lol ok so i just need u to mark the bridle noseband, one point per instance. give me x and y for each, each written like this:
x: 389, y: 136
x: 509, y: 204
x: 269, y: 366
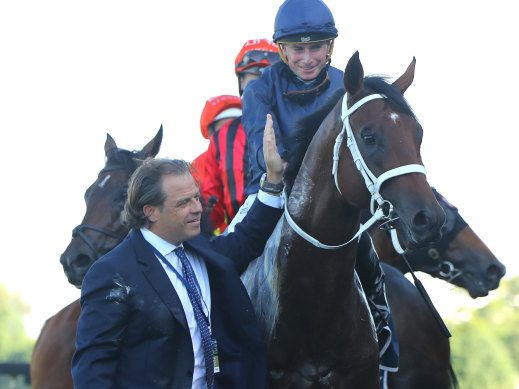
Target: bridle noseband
x: 78, y: 232
x: 443, y: 268
x: 373, y: 183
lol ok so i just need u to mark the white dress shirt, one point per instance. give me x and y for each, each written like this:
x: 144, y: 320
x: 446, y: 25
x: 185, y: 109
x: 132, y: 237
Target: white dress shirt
x: 198, y: 265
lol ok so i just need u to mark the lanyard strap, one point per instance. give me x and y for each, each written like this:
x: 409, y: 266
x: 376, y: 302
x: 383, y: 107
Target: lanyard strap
x: 184, y: 282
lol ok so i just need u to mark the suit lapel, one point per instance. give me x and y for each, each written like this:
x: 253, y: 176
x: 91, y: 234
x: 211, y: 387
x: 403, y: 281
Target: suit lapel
x: 157, y: 277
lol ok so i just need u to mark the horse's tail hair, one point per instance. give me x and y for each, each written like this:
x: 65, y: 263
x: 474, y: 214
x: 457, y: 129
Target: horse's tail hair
x: 453, y: 381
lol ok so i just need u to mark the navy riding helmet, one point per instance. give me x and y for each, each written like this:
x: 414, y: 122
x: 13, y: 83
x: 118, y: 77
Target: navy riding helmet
x: 304, y: 21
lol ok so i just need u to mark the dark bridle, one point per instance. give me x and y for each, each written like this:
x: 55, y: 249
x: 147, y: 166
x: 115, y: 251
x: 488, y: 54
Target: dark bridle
x: 78, y: 231
x: 441, y: 267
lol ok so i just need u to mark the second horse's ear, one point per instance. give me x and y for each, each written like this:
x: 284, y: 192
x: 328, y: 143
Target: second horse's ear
x: 354, y: 75
x: 153, y: 146
x: 109, y: 143
x: 406, y: 79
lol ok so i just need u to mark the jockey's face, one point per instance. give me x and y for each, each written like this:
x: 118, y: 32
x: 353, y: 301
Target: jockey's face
x: 306, y: 60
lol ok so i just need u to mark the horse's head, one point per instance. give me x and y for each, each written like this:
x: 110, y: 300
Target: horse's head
x: 102, y: 228
x: 460, y: 257
x: 384, y: 137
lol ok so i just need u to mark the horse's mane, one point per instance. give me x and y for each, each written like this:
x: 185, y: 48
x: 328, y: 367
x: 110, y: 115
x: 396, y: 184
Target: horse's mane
x: 306, y: 128
x: 303, y: 134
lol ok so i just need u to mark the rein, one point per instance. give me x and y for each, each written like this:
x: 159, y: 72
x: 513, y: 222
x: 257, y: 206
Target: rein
x: 373, y: 183
x: 427, y: 299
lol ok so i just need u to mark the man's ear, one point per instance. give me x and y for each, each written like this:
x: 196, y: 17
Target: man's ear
x: 283, y: 48
x: 150, y: 213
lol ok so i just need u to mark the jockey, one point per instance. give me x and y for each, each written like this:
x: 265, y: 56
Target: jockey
x: 217, y: 111
x: 253, y: 58
x: 225, y: 164
x: 291, y: 90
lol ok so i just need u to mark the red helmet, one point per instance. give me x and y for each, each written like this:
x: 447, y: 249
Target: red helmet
x: 256, y: 53
x: 219, y: 107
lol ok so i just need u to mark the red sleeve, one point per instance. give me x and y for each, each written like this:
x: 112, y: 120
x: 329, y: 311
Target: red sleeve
x: 199, y: 165
x: 212, y: 185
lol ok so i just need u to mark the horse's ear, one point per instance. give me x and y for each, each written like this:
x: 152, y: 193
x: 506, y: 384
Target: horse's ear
x: 153, y: 146
x: 109, y: 143
x: 406, y: 79
x: 354, y: 75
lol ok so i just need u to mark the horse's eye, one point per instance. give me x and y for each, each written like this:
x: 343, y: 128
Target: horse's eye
x: 368, y: 138
x: 123, y: 194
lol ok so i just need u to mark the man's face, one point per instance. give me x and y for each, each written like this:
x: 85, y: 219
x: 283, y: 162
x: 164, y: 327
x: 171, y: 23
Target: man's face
x: 217, y: 124
x: 179, y: 218
x: 306, y: 60
x: 244, y: 78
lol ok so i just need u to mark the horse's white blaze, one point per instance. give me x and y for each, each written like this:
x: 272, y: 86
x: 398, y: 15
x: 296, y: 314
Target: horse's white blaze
x: 102, y: 184
x: 394, y: 116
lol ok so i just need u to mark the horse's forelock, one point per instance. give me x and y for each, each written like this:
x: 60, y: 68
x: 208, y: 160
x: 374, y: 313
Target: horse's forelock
x: 394, y: 97
x: 305, y: 130
x: 128, y: 160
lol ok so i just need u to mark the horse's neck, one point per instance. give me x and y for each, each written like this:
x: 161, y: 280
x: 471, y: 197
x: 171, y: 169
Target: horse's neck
x: 316, y: 204
x: 311, y: 282
x: 319, y: 210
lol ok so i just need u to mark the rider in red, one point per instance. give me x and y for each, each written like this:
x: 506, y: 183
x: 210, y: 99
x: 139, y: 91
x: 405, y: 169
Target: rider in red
x: 217, y: 111
x: 226, y: 163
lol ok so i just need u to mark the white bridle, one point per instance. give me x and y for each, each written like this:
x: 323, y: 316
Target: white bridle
x: 372, y: 182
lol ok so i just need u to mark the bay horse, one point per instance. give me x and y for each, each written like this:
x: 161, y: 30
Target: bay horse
x: 314, y: 316
x: 99, y: 232
x: 460, y: 257
x: 102, y: 228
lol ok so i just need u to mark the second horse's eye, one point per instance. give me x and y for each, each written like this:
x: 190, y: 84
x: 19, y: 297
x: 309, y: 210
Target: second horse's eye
x: 122, y: 194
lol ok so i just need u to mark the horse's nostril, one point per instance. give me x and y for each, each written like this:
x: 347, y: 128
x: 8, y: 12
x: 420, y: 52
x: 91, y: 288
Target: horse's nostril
x: 494, y: 271
x: 81, y: 260
x: 421, y: 219
x: 63, y: 260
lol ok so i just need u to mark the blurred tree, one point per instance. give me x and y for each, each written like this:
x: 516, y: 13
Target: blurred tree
x: 485, y: 347
x: 15, y: 344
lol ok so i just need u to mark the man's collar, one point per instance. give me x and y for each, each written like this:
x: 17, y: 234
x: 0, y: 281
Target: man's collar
x: 162, y: 245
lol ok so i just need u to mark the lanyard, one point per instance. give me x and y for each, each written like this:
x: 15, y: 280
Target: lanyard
x: 189, y: 289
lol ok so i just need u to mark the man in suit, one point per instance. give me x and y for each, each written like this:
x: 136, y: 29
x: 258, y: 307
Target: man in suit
x: 166, y: 308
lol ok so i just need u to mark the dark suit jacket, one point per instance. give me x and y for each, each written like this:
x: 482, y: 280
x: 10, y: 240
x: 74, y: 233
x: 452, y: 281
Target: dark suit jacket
x: 133, y: 333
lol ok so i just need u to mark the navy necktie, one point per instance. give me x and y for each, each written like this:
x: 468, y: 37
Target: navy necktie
x: 201, y: 319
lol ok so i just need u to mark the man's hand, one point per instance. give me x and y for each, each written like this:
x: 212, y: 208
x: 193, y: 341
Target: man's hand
x: 270, y: 153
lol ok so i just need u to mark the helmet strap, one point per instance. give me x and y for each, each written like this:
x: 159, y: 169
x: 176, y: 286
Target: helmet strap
x: 281, y: 54
x: 329, y: 57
